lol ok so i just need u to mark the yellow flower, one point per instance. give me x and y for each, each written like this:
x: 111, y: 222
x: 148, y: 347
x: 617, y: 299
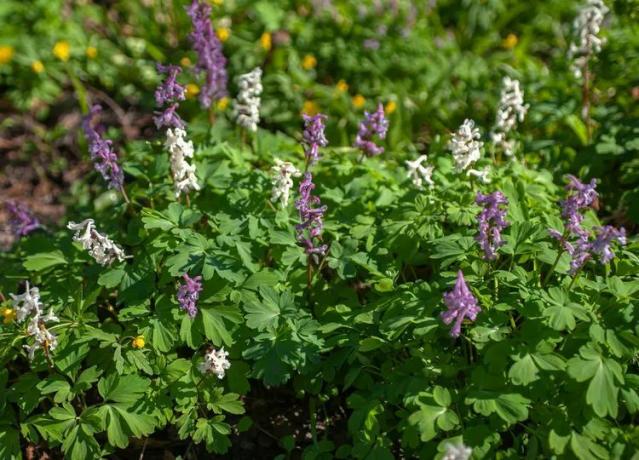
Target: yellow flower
x: 223, y: 103
x: 223, y: 33
x: 218, y: 2
x: 359, y: 101
x: 310, y: 108
x: 192, y: 90
x: 309, y: 62
x: 62, y: 50
x: 138, y: 342
x: 185, y: 62
x: 6, y: 53
x: 37, y: 66
x: 92, y: 52
x: 9, y: 315
x: 510, y: 41
x: 390, y: 107
x: 342, y: 86
x: 265, y: 41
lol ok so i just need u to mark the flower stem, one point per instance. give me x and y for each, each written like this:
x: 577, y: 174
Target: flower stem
x: 124, y: 195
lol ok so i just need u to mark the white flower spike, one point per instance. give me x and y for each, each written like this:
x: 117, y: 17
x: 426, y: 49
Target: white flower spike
x: 457, y: 452
x: 215, y: 362
x: 180, y: 149
x: 283, y: 173
x: 465, y: 145
x: 247, y: 105
x: 587, y: 26
x: 511, y: 111
x: 99, y: 246
x: 419, y: 173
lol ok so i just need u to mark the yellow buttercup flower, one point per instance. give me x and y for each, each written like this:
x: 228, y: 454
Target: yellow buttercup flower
x: 390, y: 107
x: 310, y: 108
x: 265, y: 41
x: 62, y: 50
x: 92, y: 52
x: 342, y: 86
x: 309, y: 62
x: 192, y: 90
x: 9, y: 315
x: 138, y: 342
x: 185, y: 62
x: 223, y: 33
x: 358, y: 101
x: 223, y: 103
x: 6, y: 54
x: 37, y: 66
x: 510, y: 41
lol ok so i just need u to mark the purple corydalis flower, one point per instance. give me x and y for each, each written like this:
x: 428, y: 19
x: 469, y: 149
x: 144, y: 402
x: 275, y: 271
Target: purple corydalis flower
x: 461, y: 304
x: 189, y: 293
x: 21, y: 219
x: 169, y: 118
x: 313, y: 137
x: 491, y: 222
x: 374, y: 124
x: 169, y: 91
x: 604, y: 238
x: 311, y: 218
x: 580, y: 196
x: 104, y: 158
x: 211, y: 60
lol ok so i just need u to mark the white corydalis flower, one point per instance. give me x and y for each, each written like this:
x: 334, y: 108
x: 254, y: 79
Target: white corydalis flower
x: 99, y: 246
x: 27, y: 303
x: 587, y: 26
x: 419, y: 173
x: 246, y: 107
x: 215, y: 362
x: 283, y: 173
x: 465, y: 145
x: 511, y: 110
x: 457, y: 452
x: 183, y: 173
x: 481, y: 175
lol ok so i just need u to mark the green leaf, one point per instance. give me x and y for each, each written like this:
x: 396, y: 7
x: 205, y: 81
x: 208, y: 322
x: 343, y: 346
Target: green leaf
x: 213, y: 321
x: 524, y: 371
x: 44, y: 260
x: 125, y: 389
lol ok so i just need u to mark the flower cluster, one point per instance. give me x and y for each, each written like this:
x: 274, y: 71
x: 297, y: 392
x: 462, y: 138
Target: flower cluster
x: 457, y: 452
x: 101, y: 150
x: 374, y: 124
x: 419, y: 173
x: 461, y: 304
x: 587, y: 26
x: 576, y: 240
x: 211, y: 60
x: 465, y: 145
x: 511, y: 110
x: 215, y: 362
x: 99, y: 246
x: 311, y: 217
x: 313, y: 137
x: 21, y: 219
x: 189, y: 293
x: 168, y: 93
x: 181, y: 149
x: 483, y: 175
x: 491, y: 222
x: 283, y: 173
x: 247, y: 105
x: 29, y: 304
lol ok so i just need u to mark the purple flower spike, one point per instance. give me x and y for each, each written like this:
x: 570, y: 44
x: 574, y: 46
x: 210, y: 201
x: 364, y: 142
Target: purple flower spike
x: 169, y: 90
x: 104, y: 158
x: 169, y: 118
x: 311, y: 218
x: 374, y: 124
x: 604, y: 238
x: 491, y: 222
x: 581, y: 196
x: 211, y: 60
x: 189, y: 293
x: 461, y: 304
x: 21, y: 219
x: 313, y: 137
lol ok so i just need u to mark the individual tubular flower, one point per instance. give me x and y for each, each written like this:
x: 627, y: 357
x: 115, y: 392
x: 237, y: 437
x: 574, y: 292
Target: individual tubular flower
x: 283, y: 173
x: 183, y: 173
x: 419, y: 173
x: 211, y: 61
x: 491, y: 222
x: 587, y: 26
x: 465, y: 145
x: 189, y: 293
x: 27, y: 303
x: 99, y: 246
x: 604, y: 236
x: 511, y: 110
x: 215, y: 362
x: 247, y: 105
x: 311, y: 218
x: 21, y: 220
x: 461, y: 304
x: 483, y: 175
x: 313, y: 137
x: 104, y: 158
x: 43, y: 338
x: 374, y: 124
x: 168, y: 93
x: 457, y: 452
